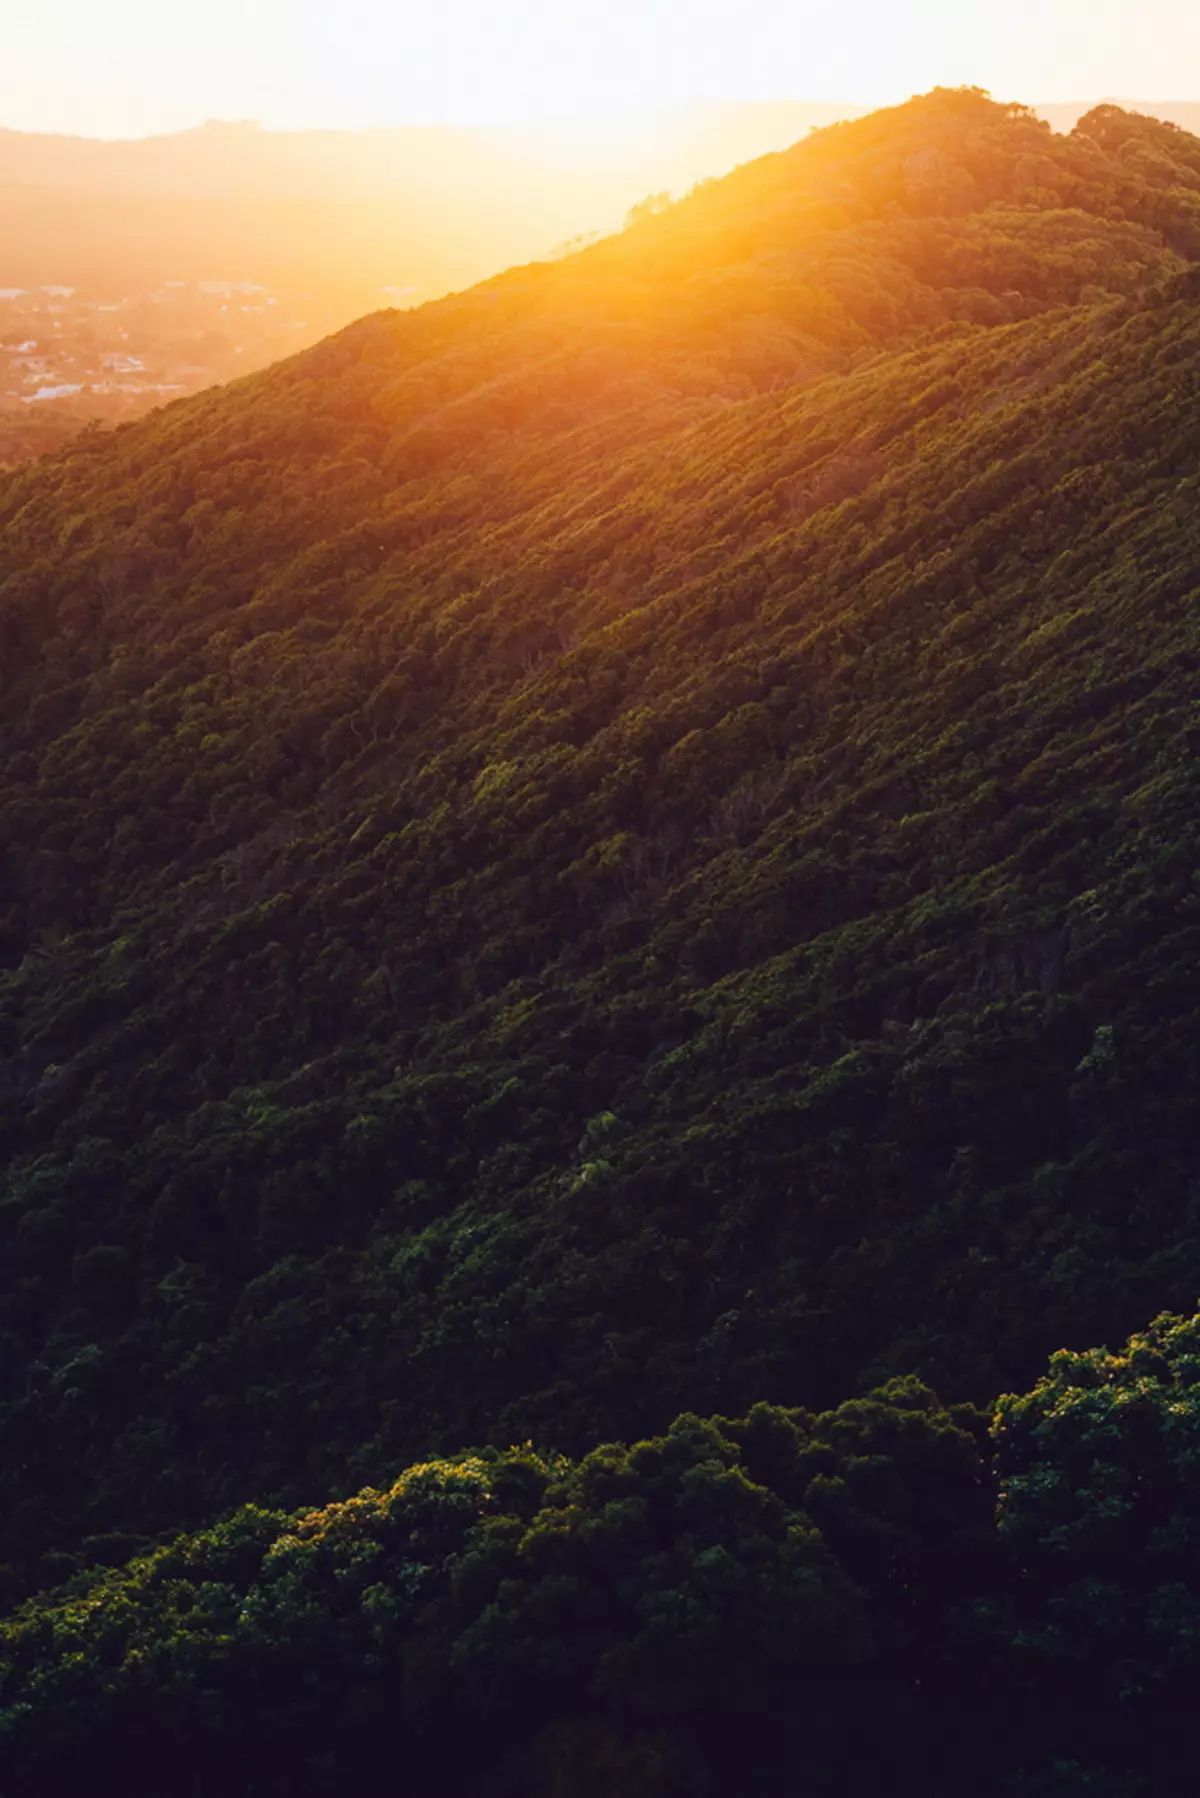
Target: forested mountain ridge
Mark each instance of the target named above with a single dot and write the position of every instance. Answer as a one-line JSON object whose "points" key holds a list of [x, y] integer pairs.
{"points": [[622, 843]]}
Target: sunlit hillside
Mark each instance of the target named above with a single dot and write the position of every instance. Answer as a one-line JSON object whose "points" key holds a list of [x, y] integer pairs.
{"points": [[598, 958], [133, 272]]}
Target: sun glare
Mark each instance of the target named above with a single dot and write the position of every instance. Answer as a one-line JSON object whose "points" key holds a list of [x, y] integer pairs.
{"points": [[135, 66]]}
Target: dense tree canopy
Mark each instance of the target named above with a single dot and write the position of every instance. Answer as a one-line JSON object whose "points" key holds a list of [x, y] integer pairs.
{"points": [[911, 1602]]}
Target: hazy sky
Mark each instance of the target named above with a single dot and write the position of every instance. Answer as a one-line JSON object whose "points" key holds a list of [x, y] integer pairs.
{"points": [[128, 67]]}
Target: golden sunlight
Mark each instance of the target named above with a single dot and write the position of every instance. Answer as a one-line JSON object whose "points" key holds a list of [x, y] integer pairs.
{"points": [[135, 66]]}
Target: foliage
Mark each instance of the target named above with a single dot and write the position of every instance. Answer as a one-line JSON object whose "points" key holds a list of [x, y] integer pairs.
{"points": [[1100, 1519], [1014, 1614], [655, 1602]]}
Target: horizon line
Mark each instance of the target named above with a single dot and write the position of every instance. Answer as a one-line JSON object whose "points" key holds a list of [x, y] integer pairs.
{"points": [[550, 122]]}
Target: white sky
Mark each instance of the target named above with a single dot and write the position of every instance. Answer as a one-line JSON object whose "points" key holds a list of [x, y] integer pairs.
{"points": [[129, 67]]}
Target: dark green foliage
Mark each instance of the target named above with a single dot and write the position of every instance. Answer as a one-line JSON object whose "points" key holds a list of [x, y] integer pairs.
{"points": [[1100, 1519], [669, 1613], [919, 1607]]}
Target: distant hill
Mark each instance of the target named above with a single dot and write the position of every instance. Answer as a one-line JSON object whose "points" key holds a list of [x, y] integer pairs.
{"points": [[350, 212], [610, 860]]}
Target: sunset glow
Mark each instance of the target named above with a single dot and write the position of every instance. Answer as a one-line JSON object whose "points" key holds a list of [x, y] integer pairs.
{"points": [[134, 66]]}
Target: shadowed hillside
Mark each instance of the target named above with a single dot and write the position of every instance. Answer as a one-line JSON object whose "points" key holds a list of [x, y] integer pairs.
{"points": [[621, 843]]}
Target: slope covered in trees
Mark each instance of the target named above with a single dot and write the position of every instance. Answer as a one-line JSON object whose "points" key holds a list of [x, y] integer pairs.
{"points": [[622, 844], [884, 1595]]}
